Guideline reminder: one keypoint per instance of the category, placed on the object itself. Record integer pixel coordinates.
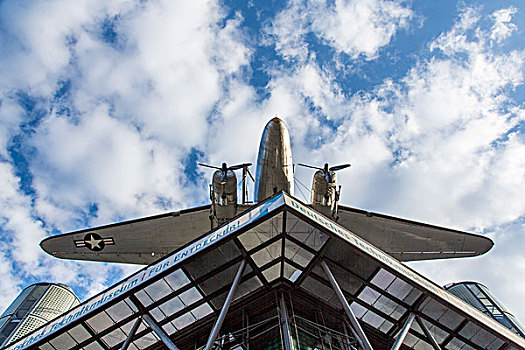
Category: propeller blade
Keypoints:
(309, 166)
(251, 176)
(239, 166)
(339, 167)
(209, 166)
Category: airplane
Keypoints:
(145, 240)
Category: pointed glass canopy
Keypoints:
(284, 244)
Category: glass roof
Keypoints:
(283, 242)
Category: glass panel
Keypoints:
(373, 319)
(222, 279)
(291, 272)
(247, 287)
(358, 309)
(399, 289)
(262, 232)
(190, 296)
(145, 341)
(184, 320)
(100, 322)
(79, 333)
(297, 254)
(169, 328)
(63, 341)
(115, 337)
(93, 346)
(389, 307)
(202, 311)
(382, 279)
(386, 326)
(369, 296)
(304, 232)
(143, 297)
(46, 347)
(158, 290)
(212, 260)
(177, 279)
(267, 254)
(171, 306)
(273, 272)
(319, 289)
(157, 314)
(119, 311)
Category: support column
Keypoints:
(288, 344)
(131, 334)
(404, 332)
(165, 338)
(429, 335)
(217, 327)
(363, 340)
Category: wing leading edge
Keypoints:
(140, 241)
(410, 240)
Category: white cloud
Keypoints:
(355, 27)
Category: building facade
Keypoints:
(35, 306)
(479, 296)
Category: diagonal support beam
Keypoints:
(361, 336)
(225, 307)
(131, 334)
(164, 337)
(285, 325)
(404, 331)
(429, 335)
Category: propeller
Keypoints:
(327, 170)
(224, 169)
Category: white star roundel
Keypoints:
(94, 242)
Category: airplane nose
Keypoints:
(274, 162)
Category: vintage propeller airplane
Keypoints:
(145, 240)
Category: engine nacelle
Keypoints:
(224, 190)
(324, 193)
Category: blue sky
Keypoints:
(105, 109)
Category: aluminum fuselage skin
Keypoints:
(275, 170)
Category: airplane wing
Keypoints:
(410, 240)
(140, 241)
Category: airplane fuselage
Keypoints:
(275, 171)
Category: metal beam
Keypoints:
(363, 340)
(131, 334)
(164, 337)
(404, 331)
(225, 307)
(283, 312)
(429, 335)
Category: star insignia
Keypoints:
(94, 242)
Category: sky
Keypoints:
(106, 108)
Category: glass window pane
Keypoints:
(100, 322)
(158, 290)
(267, 254)
(190, 296)
(63, 341)
(272, 273)
(171, 306)
(79, 333)
(184, 320)
(202, 311)
(115, 337)
(119, 311)
(146, 341)
(177, 279)
(297, 254)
